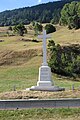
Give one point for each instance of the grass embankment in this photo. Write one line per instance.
(41, 114)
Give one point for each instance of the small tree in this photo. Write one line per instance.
(50, 28)
(38, 28)
(20, 29)
(33, 23)
(10, 28)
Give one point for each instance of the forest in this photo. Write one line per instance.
(43, 13)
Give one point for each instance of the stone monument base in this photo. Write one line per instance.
(44, 81)
(45, 88)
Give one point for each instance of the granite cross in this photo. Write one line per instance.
(44, 36)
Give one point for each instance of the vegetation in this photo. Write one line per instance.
(64, 36)
(10, 28)
(43, 13)
(37, 28)
(41, 114)
(23, 94)
(50, 28)
(20, 29)
(70, 15)
(64, 60)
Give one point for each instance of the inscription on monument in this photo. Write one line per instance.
(44, 75)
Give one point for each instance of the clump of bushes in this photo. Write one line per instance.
(50, 28)
(64, 60)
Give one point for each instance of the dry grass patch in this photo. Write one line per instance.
(65, 36)
(40, 94)
(8, 57)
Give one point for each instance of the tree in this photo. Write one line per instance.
(50, 28)
(70, 15)
(56, 16)
(20, 29)
(10, 28)
(64, 60)
(37, 28)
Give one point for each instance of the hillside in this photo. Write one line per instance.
(17, 49)
(43, 13)
(20, 59)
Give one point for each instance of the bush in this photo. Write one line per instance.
(20, 29)
(50, 28)
(10, 28)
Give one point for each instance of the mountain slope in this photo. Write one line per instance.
(42, 13)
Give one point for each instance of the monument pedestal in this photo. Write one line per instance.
(45, 82)
(44, 76)
(43, 88)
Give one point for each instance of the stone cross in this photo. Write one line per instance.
(44, 82)
(44, 36)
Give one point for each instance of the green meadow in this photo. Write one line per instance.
(41, 114)
(26, 75)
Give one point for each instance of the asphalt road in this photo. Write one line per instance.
(24, 104)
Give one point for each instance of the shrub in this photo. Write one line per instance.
(64, 60)
(50, 28)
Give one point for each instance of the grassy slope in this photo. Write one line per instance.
(65, 36)
(26, 75)
(23, 72)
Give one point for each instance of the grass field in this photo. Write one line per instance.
(41, 114)
(26, 75)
